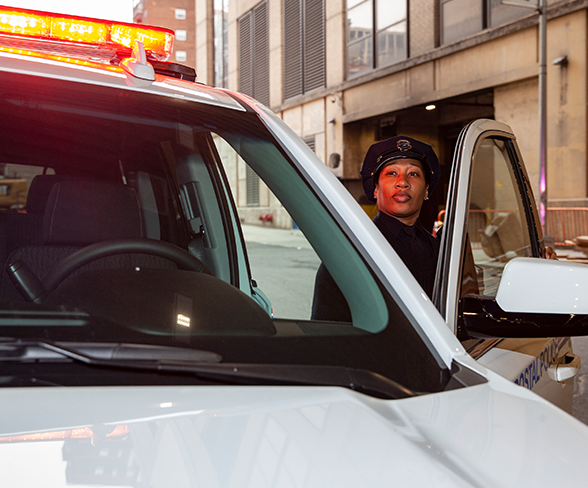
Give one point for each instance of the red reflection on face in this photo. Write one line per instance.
(402, 189)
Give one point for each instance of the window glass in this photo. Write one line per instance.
(390, 12)
(379, 25)
(460, 18)
(463, 18)
(360, 21)
(353, 3)
(283, 263)
(15, 180)
(359, 57)
(181, 35)
(497, 224)
(392, 44)
(500, 14)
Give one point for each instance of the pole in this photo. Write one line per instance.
(542, 112)
(541, 7)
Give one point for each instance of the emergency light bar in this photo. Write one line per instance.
(114, 36)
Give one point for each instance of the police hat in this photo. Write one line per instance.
(398, 147)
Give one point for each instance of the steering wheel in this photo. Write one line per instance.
(183, 259)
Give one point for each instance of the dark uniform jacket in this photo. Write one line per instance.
(417, 248)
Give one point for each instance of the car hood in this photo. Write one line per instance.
(224, 436)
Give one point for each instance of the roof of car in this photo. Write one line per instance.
(116, 77)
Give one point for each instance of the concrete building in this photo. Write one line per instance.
(346, 73)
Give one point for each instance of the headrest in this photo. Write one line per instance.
(82, 212)
(39, 191)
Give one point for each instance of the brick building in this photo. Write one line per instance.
(177, 15)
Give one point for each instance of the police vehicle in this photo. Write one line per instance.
(141, 343)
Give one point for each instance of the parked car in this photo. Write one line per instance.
(137, 349)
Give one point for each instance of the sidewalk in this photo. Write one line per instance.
(275, 237)
(571, 254)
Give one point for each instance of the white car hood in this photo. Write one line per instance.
(222, 436)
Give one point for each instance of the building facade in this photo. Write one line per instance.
(346, 73)
(177, 15)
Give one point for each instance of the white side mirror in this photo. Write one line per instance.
(531, 285)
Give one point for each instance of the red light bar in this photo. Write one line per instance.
(116, 36)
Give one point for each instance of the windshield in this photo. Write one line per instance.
(126, 218)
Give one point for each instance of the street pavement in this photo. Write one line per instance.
(284, 266)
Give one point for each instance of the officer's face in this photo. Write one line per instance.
(402, 189)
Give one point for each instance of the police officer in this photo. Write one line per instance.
(398, 174)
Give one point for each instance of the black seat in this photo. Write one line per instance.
(79, 213)
(24, 228)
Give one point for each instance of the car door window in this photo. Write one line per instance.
(497, 226)
(490, 219)
(282, 263)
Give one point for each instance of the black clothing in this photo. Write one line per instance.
(417, 248)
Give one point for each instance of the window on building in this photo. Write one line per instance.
(181, 56)
(181, 14)
(252, 187)
(254, 53)
(221, 42)
(310, 141)
(181, 35)
(304, 46)
(254, 71)
(462, 18)
(376, 34)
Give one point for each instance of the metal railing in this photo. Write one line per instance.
(566, 223)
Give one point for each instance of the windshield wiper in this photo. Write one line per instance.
(360, 380)
(98, 353)
(205, 365)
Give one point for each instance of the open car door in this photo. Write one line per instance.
(491, 220)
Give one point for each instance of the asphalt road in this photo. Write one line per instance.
(284, 266)
(286, 275)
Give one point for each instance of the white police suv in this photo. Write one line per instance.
(137, 348)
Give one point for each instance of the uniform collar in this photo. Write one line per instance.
(394, 225)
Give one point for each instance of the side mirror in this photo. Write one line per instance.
(531, 285)
(536, 298)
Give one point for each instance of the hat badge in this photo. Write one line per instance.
(403, 145)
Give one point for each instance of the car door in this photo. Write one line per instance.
(492, 218)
